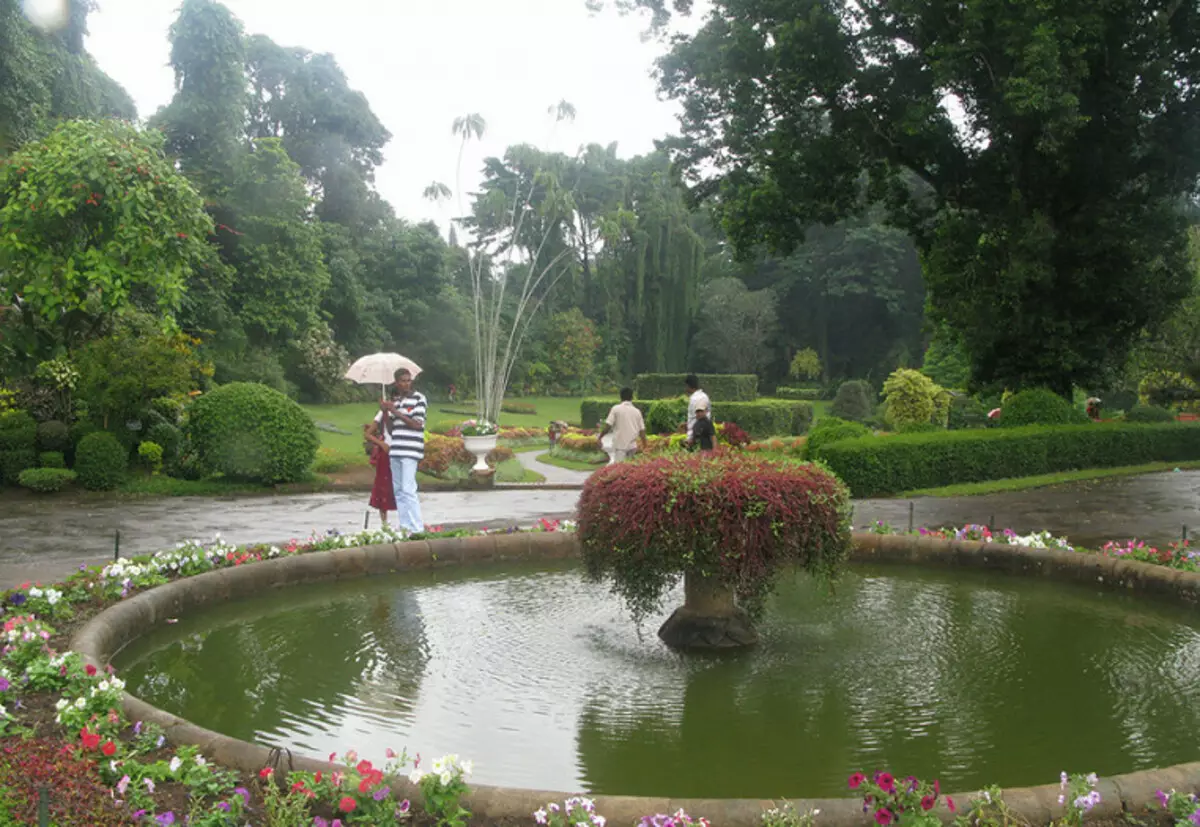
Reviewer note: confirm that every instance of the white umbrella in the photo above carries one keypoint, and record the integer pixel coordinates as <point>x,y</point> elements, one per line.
<point>380,369</point>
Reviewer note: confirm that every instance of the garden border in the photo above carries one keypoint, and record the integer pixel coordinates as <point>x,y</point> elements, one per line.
<point>117,626</point>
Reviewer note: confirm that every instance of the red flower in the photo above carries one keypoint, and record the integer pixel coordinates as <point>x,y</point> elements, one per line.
<point>181,235</point>
<point>298,787</point>
<point>950,804</point>
<point>364,767</point>
<point>856,780</point>
<point>927,803</point>
<point>90,740</point>
<point>364,786</point>
<point>347,804</point>
<point>91,670</point>
<point>265,772</point>
<point>109,749</point>
<point>317,777</point>
<point>886,782</point>
<point>883,816</point>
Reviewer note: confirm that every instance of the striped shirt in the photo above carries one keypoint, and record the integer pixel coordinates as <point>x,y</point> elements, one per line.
<point>403,441</point>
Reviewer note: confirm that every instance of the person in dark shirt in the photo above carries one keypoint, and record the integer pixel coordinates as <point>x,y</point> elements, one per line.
<point>704,434</point>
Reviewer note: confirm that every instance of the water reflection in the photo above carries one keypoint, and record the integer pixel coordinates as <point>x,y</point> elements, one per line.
<point>541,679</point>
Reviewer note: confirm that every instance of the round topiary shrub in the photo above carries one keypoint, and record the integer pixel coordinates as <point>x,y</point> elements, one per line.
<point>727,525</point>
<point>101,461</point>
<point>51,459</point>
<point>855,401</point>
<point>251,432</point>
<point>1039,406</point>
<point>830,429</point>
<point>150,456</point>
<point>1148,413</point>
<point>46,480</point>
<point>18,431</point>
<point>966,412</point>
<point>53,436</point>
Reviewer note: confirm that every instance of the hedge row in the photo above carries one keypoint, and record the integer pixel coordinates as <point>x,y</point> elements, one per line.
<point>734,387</point>
<point>793,392</point>
<point>759,419</point>
<point>879,466</point>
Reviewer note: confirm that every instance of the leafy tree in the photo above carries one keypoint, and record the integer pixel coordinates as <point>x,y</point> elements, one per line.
<point>1047,211</point>
<point>946,361</point>
<point>96,222</point>
<point>806,364</point>
<point>572,345</point>
<point>733,327</point>
<point>1174,345</point>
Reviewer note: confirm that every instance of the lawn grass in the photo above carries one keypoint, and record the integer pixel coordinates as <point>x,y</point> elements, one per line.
<point>160,485</point>
<point>970,489</point>
<point>569,464</point>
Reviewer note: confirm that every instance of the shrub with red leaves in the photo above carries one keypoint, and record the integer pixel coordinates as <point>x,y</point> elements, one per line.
<point>736,517</point>
<point>77,794</point>
<point>732,435</point>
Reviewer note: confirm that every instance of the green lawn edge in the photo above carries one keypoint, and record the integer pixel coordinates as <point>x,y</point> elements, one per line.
<point>568,464</point>
<point>971,489</point>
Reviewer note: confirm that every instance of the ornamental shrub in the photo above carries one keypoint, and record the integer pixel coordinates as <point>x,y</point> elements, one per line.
<point>881,466</point>
<point>167,436</point>
<point>51,459</point>
<point>12,463</point>
<point>53,436</point>
<point>78,793</point>
<point>831,429</point>
<point>966,412</point>
<point>18,431</point>
<point>790,392</point>
<point>518,408</point>
<point>806,364</point>
<point>1148,413</point>
<point>666,415</point>
<point>101,461</point>
<point>150,456</point>
<point>251,432</point>
<point>169,408</point>
<point>735,517</point>
<point>855,401</point>
<point>911,397</point>
<point>1039,406</point>
<point>46,480</point>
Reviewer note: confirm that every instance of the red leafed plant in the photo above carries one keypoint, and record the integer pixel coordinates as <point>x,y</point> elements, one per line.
<point>77,794</point>
<point>737,517</point>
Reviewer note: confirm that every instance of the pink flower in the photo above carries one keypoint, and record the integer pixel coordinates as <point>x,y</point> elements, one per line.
<point>856,780</point>
<point>883,816</point>
<point>950,804</point>
<point>886,782</point>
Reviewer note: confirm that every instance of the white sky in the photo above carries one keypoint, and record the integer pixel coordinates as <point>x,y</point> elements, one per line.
<point>421,63</point>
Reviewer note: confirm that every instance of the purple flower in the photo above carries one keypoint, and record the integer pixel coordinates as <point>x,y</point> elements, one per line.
<point>166,818</point>
<point>1195,818</point>
<point>137,728</point>
<point>4,684</point>
<point>320,822</point>
<point>1162,798</point>
<point>17,598</point>
<point>244,793</point>
<point>381,794</point>
<point>403,808</point>
<point>224,805</point>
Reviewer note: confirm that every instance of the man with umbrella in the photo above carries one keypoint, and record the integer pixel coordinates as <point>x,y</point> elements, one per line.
<point>402,419</point>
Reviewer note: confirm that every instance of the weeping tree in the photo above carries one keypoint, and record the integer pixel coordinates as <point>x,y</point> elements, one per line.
<point>516,256</point>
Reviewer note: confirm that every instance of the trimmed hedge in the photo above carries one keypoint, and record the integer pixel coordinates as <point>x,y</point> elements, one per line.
<point>1148,413</point>
<point>731,387</point>
<point>831,429</point>
<point>879,466</point>
<point>18,431</point>
<point>1039,406</point>
<point>46,480</point>
<point>101,461</point>
<point>766,417</point>
<point>52,459</point>
<point>802,394</point>
<point>248,431</point>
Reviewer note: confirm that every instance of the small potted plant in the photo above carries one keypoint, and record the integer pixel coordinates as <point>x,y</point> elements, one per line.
<point>479,437</point>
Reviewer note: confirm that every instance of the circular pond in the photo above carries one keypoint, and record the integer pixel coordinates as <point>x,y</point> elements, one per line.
<point>540,678</point>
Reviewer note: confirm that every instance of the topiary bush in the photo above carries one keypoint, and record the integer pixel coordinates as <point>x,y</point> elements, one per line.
<point>18,445</point>
<point>248,431</point>
<point>76,433</point>
<point>966,412</point>
<point>737,518</point>
<point>101,461</point>
<point>912,397</point>
<point>46,480</point>
<point>832,429</point>
<point>51,459</point>
<point>1148,413</point>
<point>666,415</point>
<point>1039,406</point>
<point>150,456</point>
<point>854,401</point>
<point>53,436</point>
<point>168,437</point>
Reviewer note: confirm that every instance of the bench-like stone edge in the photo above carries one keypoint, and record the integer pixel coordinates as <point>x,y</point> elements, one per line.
<point>107,633</point>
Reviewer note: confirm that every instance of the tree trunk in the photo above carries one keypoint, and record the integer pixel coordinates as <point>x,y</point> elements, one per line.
<point>708,619</point>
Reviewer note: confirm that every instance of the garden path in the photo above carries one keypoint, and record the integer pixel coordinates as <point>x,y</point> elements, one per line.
<point>552,473</point>
<point>47,538</point>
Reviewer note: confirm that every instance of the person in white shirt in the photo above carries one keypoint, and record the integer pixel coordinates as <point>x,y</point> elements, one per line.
<point>627,426</point>
<point>697,399</point>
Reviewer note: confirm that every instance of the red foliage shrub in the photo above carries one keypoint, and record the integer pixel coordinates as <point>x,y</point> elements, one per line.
<point>442,452</point>
<point>498,455</point>
<point>739,518</point>
<point>731,434</point>
<point>77,794</point>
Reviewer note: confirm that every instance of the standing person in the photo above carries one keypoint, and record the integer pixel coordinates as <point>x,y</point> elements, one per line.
<point>383,496</point>
<point>704,433</point>
<point>627,426</point>
<point>696,399</point>
<point>404,420</point>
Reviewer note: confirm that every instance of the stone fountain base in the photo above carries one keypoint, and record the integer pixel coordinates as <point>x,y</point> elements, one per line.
<point>708,619</point>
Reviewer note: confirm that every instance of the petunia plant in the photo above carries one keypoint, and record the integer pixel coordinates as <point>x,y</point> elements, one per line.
<point>886,799</point>
<point>442,789</point>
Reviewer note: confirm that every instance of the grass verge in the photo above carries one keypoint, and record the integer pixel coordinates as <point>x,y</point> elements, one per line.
<point>970,489</point>
<point>569,464</point>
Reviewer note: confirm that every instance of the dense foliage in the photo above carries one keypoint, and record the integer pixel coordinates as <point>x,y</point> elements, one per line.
<point>1039,406</point>
<point>46,480</point>
<point>251,432</point>
<point>831,429</point>
<point>721,387</point>
<point>739,519</point>
<point>882,466</point>
<point>854,400</point>
<point>101,461</point>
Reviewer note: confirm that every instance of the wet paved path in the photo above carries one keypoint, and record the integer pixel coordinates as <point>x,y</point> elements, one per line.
<point>552,473</point>
<point>45,539</point>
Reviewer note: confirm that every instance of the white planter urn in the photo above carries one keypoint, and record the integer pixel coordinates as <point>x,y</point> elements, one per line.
<point>480,447</point>
<point>606,442</point>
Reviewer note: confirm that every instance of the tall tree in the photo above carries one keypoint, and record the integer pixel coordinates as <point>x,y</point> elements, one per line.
<point>733,327</point>
<point>1037,154</point>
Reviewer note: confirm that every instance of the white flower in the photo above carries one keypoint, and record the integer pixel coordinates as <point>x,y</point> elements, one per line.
<point>415,776</point>
<point>469,766</point>
<point>175,764</point>
<point>61,704</point>
<point>200,762</point>
<point>540,816</point>
<point>445,778</point>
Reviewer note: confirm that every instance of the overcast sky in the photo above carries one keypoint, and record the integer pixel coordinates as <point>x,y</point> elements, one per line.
<point>421,63</point>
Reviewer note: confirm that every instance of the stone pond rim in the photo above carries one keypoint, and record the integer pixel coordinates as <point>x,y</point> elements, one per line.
<point>112,629</point>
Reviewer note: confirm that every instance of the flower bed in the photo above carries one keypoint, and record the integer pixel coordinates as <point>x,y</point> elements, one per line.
<point>104,769</point>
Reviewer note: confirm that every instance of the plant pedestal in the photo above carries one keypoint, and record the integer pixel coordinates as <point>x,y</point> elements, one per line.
<point>708,619</point>
<point>482,479</point>
<point>480,447</point>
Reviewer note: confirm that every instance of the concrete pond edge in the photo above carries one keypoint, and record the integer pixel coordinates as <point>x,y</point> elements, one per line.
<point>102,637</point>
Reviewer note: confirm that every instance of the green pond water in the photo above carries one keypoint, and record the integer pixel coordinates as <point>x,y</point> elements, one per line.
<point>542,680</point>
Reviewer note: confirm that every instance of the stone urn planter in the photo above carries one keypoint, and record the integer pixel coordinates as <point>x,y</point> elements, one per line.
<point>480,447</point>
<point>728,525</point>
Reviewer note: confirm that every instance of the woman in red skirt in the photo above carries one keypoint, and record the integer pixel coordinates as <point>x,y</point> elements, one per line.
<point>383,495</point>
